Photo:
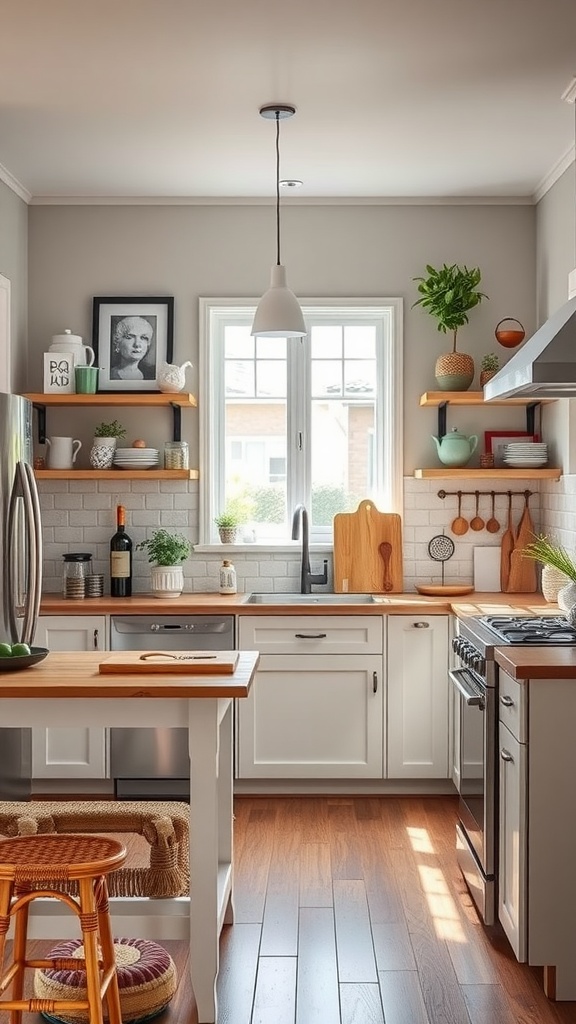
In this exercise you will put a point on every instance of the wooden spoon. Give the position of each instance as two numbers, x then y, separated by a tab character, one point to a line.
385	550
493	525
477	523
459	524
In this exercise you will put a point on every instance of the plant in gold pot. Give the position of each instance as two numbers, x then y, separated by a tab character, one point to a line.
448	294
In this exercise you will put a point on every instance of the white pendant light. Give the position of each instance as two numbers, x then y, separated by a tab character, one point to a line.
278	314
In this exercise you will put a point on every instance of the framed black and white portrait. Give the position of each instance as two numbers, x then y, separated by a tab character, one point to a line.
131	338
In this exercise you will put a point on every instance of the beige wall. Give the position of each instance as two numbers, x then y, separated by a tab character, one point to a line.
76	252
14	266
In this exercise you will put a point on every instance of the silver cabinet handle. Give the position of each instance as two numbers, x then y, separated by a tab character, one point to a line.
506	701
310	636
374	682
506	755
421	625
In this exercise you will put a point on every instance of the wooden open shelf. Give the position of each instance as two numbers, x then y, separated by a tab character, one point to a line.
476	473
436	398
115	398
116	474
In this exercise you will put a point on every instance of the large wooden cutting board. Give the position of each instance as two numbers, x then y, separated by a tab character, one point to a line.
221	663
359	565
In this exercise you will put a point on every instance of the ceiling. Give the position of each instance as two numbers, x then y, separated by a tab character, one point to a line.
394	98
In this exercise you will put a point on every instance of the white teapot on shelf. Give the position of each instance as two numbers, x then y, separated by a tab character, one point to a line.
171	377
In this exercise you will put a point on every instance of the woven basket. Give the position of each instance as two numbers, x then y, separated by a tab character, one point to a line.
454	371
147	980
552	582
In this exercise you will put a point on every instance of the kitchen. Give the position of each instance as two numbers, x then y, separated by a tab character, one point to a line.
57	256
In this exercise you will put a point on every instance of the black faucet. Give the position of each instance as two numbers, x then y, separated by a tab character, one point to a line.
306	577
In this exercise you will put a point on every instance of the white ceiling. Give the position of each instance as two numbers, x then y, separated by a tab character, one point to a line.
394	98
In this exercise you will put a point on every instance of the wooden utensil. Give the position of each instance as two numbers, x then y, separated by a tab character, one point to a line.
357	556
523	577
385	550
506	548
493	525
459	524
477	523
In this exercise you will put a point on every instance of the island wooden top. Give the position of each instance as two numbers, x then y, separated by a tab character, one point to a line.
537	662
74	675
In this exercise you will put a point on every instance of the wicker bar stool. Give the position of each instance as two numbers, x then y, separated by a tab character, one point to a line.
28	864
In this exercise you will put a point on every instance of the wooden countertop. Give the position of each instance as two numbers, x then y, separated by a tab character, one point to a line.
235	604
537	662
73	675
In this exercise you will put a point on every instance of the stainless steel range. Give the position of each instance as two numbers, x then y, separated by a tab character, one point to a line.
475	677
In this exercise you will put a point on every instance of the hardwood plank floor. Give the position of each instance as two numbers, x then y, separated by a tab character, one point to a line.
353	911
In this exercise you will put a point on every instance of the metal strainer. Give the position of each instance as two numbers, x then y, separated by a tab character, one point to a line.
441	548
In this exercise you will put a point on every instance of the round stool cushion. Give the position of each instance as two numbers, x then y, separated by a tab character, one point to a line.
147	980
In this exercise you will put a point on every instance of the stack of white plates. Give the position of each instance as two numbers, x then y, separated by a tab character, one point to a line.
136	458
525	454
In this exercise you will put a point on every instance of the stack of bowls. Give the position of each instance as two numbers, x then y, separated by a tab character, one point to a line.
136	458
525	455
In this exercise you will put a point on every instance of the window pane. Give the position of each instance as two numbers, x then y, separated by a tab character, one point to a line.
360	342
341	481
326	377
360	377
238	342
270	379
326	342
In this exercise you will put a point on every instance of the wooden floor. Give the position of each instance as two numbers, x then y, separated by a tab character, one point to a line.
353	911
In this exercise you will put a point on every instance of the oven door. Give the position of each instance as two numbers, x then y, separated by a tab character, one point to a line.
476	830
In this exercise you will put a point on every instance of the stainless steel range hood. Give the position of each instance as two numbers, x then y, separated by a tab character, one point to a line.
545	366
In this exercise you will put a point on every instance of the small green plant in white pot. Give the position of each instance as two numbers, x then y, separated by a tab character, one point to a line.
166	551
227	523
105	438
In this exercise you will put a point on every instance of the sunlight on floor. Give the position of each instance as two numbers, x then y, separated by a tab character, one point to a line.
420	840
440	903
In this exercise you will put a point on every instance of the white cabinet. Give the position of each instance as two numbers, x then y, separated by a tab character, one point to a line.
512	842
417	693
315	710
79	752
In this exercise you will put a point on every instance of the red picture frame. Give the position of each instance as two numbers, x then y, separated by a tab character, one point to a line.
494	441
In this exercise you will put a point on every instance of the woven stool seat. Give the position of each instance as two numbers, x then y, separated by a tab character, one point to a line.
28	865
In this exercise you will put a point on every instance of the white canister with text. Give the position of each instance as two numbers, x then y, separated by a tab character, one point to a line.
227	578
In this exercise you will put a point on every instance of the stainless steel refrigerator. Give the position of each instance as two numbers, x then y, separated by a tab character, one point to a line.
21	562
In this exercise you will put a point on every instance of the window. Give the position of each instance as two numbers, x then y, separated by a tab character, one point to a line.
316	420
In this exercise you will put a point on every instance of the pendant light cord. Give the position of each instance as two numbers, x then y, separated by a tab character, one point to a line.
277	188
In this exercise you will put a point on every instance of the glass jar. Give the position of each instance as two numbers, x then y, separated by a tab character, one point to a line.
176	455
77	566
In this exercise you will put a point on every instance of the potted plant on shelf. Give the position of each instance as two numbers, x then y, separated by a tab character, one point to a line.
449	294
558	573
105	437
166	552
227	523
488	367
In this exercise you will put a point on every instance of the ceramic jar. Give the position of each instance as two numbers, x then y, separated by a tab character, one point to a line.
74	343
102	452
167	580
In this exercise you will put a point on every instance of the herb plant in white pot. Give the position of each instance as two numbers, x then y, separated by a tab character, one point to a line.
104	445
166	552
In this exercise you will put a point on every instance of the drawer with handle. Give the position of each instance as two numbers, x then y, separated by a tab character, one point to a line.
312	634
512	706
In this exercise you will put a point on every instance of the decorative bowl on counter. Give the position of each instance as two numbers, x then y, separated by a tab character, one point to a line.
17	662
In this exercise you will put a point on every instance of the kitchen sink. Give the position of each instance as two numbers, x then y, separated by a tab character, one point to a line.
309	599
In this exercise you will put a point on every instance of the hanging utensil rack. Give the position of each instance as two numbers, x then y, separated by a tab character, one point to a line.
455	494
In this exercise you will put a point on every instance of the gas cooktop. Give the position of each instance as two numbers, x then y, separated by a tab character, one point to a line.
541	630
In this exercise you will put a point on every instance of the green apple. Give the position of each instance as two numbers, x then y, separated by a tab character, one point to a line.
5	650
20	650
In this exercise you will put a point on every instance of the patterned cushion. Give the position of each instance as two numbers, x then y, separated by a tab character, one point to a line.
147	980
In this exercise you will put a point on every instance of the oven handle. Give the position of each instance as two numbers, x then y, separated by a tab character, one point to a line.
470	693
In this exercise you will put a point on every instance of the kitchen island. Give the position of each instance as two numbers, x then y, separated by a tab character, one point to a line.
66	689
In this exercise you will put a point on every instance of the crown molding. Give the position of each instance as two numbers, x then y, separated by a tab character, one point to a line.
14	184
555	173
292	201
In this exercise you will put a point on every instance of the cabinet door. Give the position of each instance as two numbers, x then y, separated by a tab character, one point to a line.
313	718
512	878
417	694
311	634
77	752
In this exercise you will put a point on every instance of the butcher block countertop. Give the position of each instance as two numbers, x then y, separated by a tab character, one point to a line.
235	604
537	662
73	675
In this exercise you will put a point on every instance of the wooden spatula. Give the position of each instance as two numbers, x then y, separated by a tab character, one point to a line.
506	549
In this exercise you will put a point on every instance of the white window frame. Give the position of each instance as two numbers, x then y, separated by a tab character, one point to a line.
389	412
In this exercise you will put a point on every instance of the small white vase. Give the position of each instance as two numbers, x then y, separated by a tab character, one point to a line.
102	452
167	580
567	597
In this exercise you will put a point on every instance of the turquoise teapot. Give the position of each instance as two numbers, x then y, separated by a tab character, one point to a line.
455	449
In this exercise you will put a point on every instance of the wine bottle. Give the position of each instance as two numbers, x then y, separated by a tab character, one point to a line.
121	558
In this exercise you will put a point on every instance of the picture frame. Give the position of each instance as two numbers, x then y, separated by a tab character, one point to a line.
495	441
131	337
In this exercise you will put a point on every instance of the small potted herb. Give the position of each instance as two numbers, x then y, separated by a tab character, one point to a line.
488	367
227	523
105	437
166	551
448	294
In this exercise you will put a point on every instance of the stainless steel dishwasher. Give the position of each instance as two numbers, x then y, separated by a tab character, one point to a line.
149	764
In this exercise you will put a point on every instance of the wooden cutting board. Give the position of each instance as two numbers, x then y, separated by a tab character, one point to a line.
523	577
360	566
221	663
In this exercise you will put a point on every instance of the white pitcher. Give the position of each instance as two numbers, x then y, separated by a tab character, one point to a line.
74	343
171	377
62	452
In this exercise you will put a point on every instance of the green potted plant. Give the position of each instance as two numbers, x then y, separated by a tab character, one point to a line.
558	572
448	294
105	437
488	367
227	523
166	551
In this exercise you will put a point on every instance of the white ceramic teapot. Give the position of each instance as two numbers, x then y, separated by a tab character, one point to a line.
171	377
68	342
